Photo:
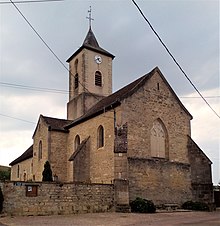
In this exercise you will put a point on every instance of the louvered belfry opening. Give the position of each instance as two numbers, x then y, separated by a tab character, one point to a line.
98	78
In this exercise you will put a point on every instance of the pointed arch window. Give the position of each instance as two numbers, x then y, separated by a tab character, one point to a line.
98	78
76	84
76	142
158	140
100	137
18	171
40	151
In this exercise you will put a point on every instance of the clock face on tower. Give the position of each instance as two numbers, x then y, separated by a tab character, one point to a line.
98	59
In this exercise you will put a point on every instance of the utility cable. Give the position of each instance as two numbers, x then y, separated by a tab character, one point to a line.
171	55
48	47
23	120
34	88
31	1
50	90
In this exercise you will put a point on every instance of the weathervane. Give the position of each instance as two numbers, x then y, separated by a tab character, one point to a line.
90	16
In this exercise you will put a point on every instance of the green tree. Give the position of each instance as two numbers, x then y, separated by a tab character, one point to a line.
47	173
5	175
1	200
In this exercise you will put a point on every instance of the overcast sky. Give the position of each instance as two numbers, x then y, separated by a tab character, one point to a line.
189	28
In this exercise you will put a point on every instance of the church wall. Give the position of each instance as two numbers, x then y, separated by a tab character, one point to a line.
147	105
41	134
101	159
152	101
80	99
57	154
24	173
201	174
106	70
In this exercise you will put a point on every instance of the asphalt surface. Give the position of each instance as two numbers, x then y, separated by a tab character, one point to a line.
119	219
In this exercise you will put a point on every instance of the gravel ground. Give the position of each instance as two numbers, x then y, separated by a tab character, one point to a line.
119	219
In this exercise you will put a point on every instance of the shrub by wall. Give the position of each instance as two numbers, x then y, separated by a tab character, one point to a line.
1	200
200	206
140	205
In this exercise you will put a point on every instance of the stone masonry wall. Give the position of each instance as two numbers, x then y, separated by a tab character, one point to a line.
41	134
55	198
200	173
159	180
152	101
25	171
57	154
101	159
162	180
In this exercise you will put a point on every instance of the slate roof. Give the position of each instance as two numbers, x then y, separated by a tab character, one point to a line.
26	155
192	143
56	124
79	148
115	99
91	43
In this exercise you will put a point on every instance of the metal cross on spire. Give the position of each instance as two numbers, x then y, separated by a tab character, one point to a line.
90	16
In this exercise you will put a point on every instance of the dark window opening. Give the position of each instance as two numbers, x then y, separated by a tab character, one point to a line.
76	81
158	86
98	78
40	151
18	171
77	142
100	137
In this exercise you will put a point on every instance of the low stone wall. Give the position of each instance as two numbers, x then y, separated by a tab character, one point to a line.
52	198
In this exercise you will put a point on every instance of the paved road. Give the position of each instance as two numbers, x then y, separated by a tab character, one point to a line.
119	219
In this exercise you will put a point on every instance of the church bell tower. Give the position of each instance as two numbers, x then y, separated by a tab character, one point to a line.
90	76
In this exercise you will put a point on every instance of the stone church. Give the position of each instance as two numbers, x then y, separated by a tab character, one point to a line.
140	134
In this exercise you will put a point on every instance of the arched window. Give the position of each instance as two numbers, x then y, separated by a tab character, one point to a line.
158	139
100	137
76	81
18	171
76	142
40	150
98	78
76	64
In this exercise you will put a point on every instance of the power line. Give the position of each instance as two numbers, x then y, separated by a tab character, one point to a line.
23	120
31	1
50	90
34	88
171	55
48	47
54	54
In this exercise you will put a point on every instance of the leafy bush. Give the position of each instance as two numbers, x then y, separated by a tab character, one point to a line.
5	175
140	205
1	200
190	205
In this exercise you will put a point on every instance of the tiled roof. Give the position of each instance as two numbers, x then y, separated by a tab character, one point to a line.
56	124
79	148
111	100
26	155
116	98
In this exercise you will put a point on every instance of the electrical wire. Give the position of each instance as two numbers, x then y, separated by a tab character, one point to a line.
63	91
175	61
60	91
34	88
23	120
48	47
31	1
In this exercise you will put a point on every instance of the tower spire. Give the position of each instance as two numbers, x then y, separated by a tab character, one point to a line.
90	16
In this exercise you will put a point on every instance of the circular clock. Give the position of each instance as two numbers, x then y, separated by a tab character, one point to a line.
98	59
